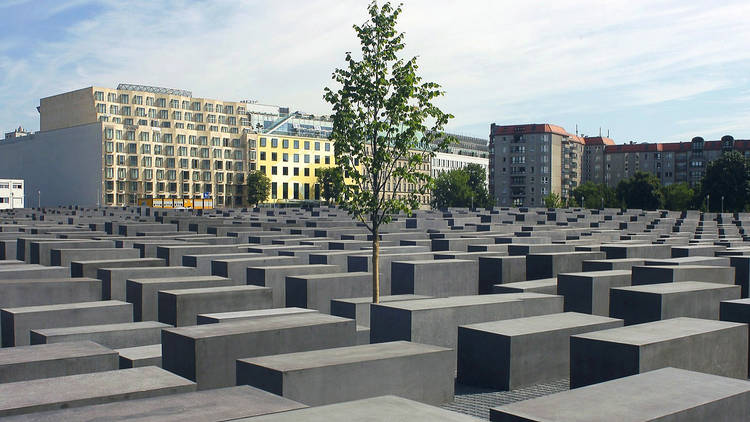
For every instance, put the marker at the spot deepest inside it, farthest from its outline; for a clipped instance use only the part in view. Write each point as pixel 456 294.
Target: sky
pixel 640 70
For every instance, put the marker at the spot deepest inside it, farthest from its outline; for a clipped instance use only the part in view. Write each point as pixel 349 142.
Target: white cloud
pixel 497 60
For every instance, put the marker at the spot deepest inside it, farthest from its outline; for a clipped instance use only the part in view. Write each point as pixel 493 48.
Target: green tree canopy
pixel 643 191
pixel 593 195
pixel 331 181
pixel 382 140
pixel 678 196
pixel 258 187
pixel 727 177
pixel 452 189
pixel 478 185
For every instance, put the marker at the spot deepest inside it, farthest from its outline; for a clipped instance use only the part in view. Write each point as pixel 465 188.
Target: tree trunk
pixel 375 266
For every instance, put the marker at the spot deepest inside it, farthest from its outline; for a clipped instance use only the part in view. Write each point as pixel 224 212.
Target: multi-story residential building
pixel 11 194
pixel 673 162
pixel 467 150
pixel 528 162
pixel 113 146
pixel 593 167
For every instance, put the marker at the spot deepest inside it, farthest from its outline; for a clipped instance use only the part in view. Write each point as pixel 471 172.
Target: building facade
pixel 109 147
pixel 11 194
pixel 467 150
pixel 528 162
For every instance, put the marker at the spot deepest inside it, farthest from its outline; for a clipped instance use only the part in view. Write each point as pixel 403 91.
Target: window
pixel 327 146
pixel 285 171
pixel 263 155
pixel 262 142
pixel 317 146
pixel 285 143
pixel 273 170
pixel 101 108
pixel 285 157
pixel 296 144
pixel 274 156
pixel 296 158
pixel 307 145
pixel 274 142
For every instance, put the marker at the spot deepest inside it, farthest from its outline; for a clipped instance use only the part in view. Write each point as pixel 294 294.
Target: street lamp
pixel 11 199
pixel 722 204
pixel 708 203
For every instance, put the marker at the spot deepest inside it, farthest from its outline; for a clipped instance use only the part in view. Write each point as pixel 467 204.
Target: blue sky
pixel 657 70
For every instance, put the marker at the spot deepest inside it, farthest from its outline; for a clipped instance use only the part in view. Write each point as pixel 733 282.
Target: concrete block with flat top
pixel 542 285
pixel 521 352
pixel 181 307
pixel 143 293
pixel 436 278
pixel 363 263
pixel 25 363
pixel 17 323
pixel 315 291
pixel 663 395
pixel 48 291
pixel 670 273
pixel 548 265
pixel 207 353
pixel 642 250
pixel 653 302
pixel 173 253
pixel 32 271
pixel 114 336
pixel 358 308
pixel 384 408
pixel 217 405
pixel 275 277
pixel 90 268
pixel 588 292
pixel 435 321
pixel 236 268
pixel 611 264
pixel 714 347
pixel 500 270
pixel 114 280
pixel 40 395
pixel 204 262
pixel 220 317
pixel 63 257
pixel 415 371
pixel 737 310
pixel 134 357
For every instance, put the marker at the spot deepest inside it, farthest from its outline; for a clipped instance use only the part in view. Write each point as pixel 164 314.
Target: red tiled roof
pixel 598 140
pixel 741 145
pixel 527 129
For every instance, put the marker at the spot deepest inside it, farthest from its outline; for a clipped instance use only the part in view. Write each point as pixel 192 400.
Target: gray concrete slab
pixel 114 280
pixel 436 278
pixel 670 273
pixel 17 323
pixel 275 277
pixel 415 371
pixel 520 352
pixel 25 397
pixel 542 285
pixel 25 363
pixel 143 293
pixel 114 336
pixel 662 395
pixel 218 405
pixel 652 302
pixel 181 307
pixel 588 292
pixel 138 356
pixel 207 353
pixel 315 291
pixel 90 268
pixel 220 317
pixel 714 347
pixel 500 270
pixel 385 408
pixel 358 308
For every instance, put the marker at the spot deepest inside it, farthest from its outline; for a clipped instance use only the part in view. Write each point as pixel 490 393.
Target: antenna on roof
pixel 576 129
pixel 607 133
pixel 600 131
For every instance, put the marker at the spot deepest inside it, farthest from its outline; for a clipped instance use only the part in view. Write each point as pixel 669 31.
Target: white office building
pixel 11 194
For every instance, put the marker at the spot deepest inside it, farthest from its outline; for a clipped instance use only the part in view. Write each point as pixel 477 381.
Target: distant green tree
pixel 452 190
pixel 728 177
pixel 678 196
pixel 595 195
pixel 258 187
pixel 331 182
pixel 553 200
pixel 643 191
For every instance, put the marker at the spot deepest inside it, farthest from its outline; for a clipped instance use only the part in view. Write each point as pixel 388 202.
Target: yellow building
pixel 291 162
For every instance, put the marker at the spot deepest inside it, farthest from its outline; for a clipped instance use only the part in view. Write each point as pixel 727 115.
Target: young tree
pixel 727 177
pixel 478 186
pixel 258 187
pixel 380 127
pixel 553 200
pixel 593 195
pixel 331 181
pixel 643 191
